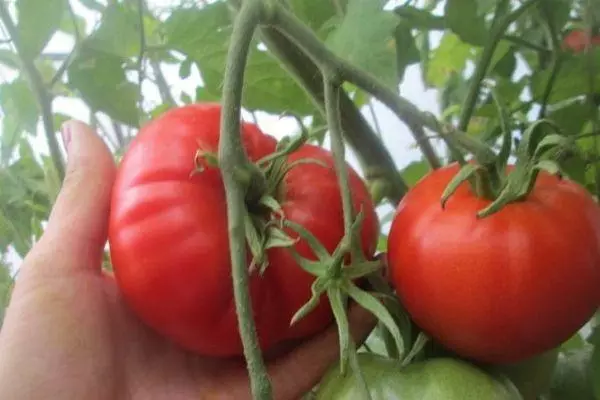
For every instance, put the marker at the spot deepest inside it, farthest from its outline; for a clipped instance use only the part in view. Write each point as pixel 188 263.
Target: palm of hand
pixel 89 345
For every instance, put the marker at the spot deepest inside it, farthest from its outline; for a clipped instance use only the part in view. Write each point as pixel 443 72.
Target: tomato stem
pixel 231 158
pixel 538 151
pixel 303 37
pixel 481 68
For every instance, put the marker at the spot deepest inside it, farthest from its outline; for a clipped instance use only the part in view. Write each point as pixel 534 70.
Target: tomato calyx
pixel 335 275
pixel 538 151
pixel 262 182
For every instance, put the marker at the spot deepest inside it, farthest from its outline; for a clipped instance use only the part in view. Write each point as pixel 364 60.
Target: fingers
pixel 76 232
pixel 299 371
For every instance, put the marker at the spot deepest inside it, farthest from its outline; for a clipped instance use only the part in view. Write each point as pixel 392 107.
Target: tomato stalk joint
pixel 490 175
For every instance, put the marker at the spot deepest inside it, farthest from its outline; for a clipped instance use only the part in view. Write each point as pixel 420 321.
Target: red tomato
pixel 505 287
pixel 169 239
pixel 577 40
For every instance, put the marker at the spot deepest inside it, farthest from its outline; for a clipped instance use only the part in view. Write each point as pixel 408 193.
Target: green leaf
pixel 37 22
pixel 449 57
pixel 570 117
pixel 185 69
pixel 100 79
pixel 572 377
pixel 462 18
pixel 502 49
pixel 20 114
pixel 319 15
pixel 24 201
pixel 557 10
pixel 118 33
pixel 203 34
pixel 9 59
pixel 414 171
pixel 505 66
pixel 365 38
pixel 70 22
pixel 572 80
pixel 419 19
pixel 406 49
pixel 509 91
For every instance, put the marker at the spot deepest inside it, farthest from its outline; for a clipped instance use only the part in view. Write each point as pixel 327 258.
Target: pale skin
pixel 68 334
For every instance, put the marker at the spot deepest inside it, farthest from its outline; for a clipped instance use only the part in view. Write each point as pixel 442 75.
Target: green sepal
pixel 358 270
pixel 318 287
pixel 464 174
pixel 314 243
pixel 255 238
pixel 285 146
pixel 272 204
pixel 549 166
pixel 338 301
pixel 420 342
pixel 369 302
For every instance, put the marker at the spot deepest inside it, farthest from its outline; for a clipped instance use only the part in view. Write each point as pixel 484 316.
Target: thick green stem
pixel 332 100
pixel 484 62
pixel 304 38
pixel 37 85
pixel 231 158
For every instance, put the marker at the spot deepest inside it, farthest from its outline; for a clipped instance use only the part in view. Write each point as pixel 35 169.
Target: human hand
pixel 69 335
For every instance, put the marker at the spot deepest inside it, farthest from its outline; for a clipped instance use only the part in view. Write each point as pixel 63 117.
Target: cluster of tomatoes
pixel 499 289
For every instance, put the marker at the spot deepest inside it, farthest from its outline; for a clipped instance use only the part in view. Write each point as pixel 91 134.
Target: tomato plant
pixel 504 287
pixel 168 234
pixel 432 379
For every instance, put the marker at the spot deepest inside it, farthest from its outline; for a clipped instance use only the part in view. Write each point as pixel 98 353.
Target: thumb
pixel 77 228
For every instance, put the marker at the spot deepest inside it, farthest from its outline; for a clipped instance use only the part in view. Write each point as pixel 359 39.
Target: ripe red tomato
pixel 169 240
pixel 505 287
pixel 577 40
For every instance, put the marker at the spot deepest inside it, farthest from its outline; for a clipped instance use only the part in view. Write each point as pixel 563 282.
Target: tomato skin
pixel 169 243
pixel 577 40
pixel 503 288
pixel 432 379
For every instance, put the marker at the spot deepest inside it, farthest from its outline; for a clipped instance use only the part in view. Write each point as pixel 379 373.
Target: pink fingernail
pixel 66 135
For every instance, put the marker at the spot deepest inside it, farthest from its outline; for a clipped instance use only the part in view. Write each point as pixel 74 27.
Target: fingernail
pixel 66 135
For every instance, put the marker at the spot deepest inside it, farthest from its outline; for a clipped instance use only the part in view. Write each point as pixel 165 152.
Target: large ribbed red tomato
pixel 169 240
pixel 504 287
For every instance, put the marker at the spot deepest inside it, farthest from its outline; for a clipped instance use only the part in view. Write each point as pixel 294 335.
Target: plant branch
pixel 232 158
pixel 162 84
pixel 484 61
pixel 372 153
pixel 332 101
pixel 37 84
pixel 304 38
pixel 524 43
pixel 63 67
pixel 556 62
pixel 69 58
